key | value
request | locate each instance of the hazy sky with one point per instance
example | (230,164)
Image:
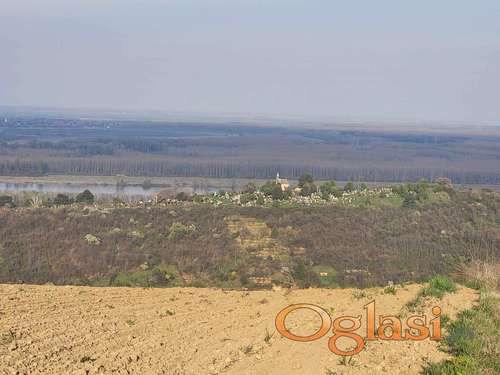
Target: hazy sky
(362,60)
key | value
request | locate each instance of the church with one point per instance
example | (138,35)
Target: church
(283,182)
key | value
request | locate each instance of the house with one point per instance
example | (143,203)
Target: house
(283,182)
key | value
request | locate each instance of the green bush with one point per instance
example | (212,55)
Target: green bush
(160,276)
(304,275)
(92,240)
(62,200)
(326,276)
(247,197)
(474,340)
(85,197)
(274,190)
(461,365)
(6,200)
(307,189)
(132,279)
(390,290)
(410,201)
(249,188)
(182,196)
(178,230)
(475,284)
(305,179)
(349,187)
(438,286)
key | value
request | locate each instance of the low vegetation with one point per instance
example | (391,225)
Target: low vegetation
(436,287)
(330,236)
(473,340)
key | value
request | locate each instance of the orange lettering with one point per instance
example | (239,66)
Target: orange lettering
(326,322)
(340,331)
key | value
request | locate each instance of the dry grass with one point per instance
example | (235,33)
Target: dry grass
(483,273)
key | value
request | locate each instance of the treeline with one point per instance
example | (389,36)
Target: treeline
(161,168)
(37,146)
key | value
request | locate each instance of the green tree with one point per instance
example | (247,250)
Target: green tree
(273,190)
(307,189)
(182,196)
(6,200)
(329,188)
(304,275)
(348,187)
(306,178)
(247,197)
(85,197)
(62,200)
(410,201)
(306,185)
(250,188)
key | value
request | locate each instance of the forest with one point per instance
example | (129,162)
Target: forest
(37,146)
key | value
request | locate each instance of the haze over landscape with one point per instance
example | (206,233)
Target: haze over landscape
(363,61)
(192,187)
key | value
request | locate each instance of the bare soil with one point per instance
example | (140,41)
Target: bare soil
(83,330)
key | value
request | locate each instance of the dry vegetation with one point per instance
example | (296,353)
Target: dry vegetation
(227,245)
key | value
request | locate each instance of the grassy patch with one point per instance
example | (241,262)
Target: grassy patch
(327,276)
(475,284)
(158,276)
(438,286)
(393,200)
(474,340)
(390,290)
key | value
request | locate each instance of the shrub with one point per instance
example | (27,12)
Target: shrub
(390,290)
(461,365)
(438,286)
(249,188)
(247,197)
(275,232)
(118,202)
(328,188)
(62,200)
(182,196)
(178,230)
(165,276)
(85,197)
(158,276)
(474,340)
(130,279)
(348,187)
(326,276)
(305,179)
(410,201)
(274,191)
(92,240)
(307,189)
(304,276)
(6,200)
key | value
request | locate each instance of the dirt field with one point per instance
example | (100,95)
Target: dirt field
(80,330)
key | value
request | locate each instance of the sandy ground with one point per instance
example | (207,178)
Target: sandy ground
(81,330)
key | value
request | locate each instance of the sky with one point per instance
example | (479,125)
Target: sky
(384,60)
